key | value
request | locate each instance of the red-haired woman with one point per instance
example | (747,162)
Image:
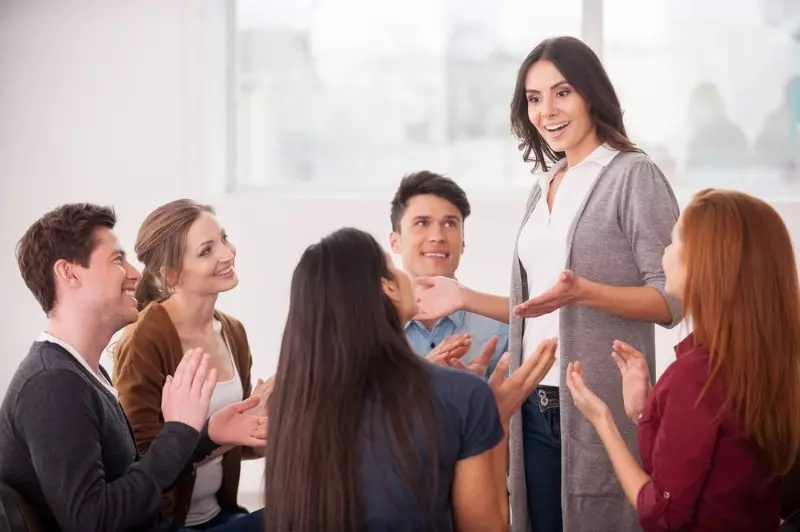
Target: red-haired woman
(722,424)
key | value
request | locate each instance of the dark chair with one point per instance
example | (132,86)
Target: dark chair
(16,515)
(792,524)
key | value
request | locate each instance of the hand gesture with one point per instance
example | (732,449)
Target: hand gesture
(511,392)
(230,426)
(186,396)
(437,297)
(454,346)
(563,293)
(635,378)
(591,406)
(480,364)
(262,390)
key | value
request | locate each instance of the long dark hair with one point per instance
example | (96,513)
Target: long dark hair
(344,348)
(582,69)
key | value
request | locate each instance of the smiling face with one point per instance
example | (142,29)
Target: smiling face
(431,236)
(559,114)
(105,288)
(207,267)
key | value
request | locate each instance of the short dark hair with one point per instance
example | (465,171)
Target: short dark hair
(66,232)
(583,70)
(426,182)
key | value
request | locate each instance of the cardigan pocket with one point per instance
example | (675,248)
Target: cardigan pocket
(588,470)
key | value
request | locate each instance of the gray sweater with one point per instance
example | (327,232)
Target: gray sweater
(617,238)
(66,446)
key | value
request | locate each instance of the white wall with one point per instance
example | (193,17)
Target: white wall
(112,102)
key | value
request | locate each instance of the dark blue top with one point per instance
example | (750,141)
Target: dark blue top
(468,424)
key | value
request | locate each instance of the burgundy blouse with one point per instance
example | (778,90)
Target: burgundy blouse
(706,474)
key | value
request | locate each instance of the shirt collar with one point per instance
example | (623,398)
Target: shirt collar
(686,346)
(47,337)
(457,318)
(601,156)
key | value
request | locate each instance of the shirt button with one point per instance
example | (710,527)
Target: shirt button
(666,495)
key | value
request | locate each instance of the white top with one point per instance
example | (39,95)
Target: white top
(208,477)
(542,245)
(47,337)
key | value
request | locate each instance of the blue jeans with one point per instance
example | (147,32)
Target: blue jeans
(228,521)
(541,442)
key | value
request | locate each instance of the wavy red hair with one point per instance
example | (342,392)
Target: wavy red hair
(742,296)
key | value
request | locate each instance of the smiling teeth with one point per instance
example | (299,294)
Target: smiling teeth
(226,271)
(131,294)
(436,255)
(557,127)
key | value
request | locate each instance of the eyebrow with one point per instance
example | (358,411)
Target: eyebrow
(562,82)
(207,242)
(428,217)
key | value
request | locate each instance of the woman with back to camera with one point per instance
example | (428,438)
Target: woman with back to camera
(721,427)
(363,433)
(188,261)
(586,269)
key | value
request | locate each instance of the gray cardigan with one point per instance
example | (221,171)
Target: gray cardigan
(617,238)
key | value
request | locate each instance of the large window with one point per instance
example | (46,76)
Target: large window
(352,94)
(355,93)
(710,89)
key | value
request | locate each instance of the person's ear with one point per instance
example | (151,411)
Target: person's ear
(395,241)
(391,289)
(66,273)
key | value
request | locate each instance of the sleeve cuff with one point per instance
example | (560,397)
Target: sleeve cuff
(205,445)
(651,506)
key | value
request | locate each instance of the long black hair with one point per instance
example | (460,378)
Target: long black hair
(582,69)
(344,347)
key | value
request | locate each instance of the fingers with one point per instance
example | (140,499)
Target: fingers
(456,345)
(535,307)
(180,371)
(544,361)
(199,377)
(571,382)
(208,385)
(488,350)
(247,404)
(184,375)
(498,376)
(575,382)
(545,350)
(166,391)
(621,364)
(426,282)
(626,351)
(456,363)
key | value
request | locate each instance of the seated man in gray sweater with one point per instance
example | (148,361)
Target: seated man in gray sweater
(65,443)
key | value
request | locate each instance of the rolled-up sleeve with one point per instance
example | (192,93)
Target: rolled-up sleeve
(648,212)
(682,453)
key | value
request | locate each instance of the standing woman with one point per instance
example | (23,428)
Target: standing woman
(722,425)
(586,269)
(188,261)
